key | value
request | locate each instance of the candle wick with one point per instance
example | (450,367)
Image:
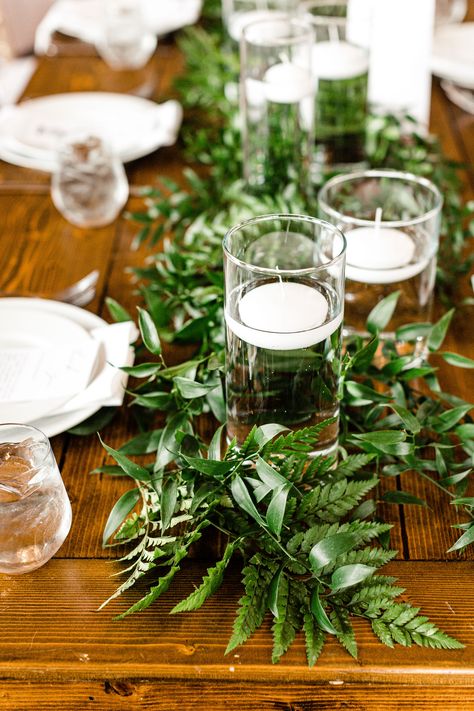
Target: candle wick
(281,290)
(378,219)
(333,32)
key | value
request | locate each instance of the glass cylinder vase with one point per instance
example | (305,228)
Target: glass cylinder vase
(340,66)
(284,295)
(277,97)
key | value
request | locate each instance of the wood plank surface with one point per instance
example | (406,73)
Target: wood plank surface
(56,650)
(67,638)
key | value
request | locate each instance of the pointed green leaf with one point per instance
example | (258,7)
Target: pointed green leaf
(349,575)
(269,475)
(119,512)
(381,314)
(244,500)
(329,548)
(118,313)
(466,539)
(276,509)
(214,451)
(131,468)
(402,497)
(439,330)
(265,433)
(189,389)
(168,499)
(320,614)
(458,360)
(148,332)
(273,593)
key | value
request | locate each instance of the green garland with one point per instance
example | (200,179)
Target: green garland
(306,529)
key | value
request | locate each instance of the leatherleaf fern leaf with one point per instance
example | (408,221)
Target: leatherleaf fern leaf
(306,563)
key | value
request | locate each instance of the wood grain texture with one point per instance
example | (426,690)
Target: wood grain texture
(66,638)
(181,695)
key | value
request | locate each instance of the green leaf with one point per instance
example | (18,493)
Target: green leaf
(276,509)
(214,451)
(466,539)
(189,389)
(330,548)
(410,422)
(144,443)
(168,446)
(243,499)
(148,332)
(269,475)
(131,468)
(117,311)
(210,584)
(439,330)
(215,468)
(120,511)
(349,575)
(381,314)
(168,499)
(448,419)
(314,639)
(265,433)
(382,437)
(402,497)
(273,591)
(320,614)
(457,360)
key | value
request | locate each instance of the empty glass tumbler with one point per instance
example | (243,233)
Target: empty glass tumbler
(277,102)
(284,297)
(126,42)
(391,221)
(35,513)
(89,186)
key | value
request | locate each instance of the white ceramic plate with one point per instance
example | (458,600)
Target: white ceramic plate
(453,53)
(31,131)
(55,424)
(22,328)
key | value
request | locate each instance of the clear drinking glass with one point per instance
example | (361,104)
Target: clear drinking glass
(127,42)
(89,186)
(35,513)
(277,97)
(284,297)
(341,70)
(391,222)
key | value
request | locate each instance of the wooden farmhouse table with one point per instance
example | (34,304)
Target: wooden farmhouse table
(56,650)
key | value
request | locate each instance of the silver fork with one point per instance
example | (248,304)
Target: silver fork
(80,293)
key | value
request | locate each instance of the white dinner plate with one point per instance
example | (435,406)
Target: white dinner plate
(453,53)
(23,328)
(53,425)
(31,131)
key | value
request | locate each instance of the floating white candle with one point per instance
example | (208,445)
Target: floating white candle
(287,83)
(381,255)
(238,21)
(283,316)
(338,60)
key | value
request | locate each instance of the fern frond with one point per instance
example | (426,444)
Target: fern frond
(210,583)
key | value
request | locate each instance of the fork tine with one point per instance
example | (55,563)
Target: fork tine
(85,283)
(82,298)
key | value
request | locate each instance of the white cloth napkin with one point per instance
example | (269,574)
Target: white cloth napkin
(14,76)
(108,387)
(84,19)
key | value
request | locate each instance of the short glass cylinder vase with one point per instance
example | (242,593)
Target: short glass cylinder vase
(284,296)
(35,513)
(277,103)
(341,70)
(89,186)
(126,43)
(391,221)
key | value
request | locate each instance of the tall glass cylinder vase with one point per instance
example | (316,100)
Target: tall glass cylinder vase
(341,69)
(284,295)
(277,103)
